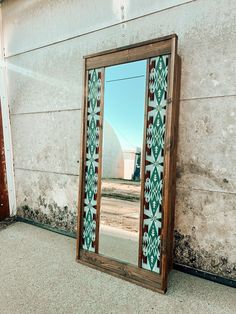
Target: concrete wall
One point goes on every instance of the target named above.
(44, 43)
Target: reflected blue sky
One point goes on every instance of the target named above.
(124, 98)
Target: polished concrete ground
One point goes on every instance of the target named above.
(38, 274)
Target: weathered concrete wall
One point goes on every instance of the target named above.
(45, 80)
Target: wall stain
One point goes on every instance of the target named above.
(195, 168)
(188, 252)
(50, 214)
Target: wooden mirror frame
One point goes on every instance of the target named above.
(146, 278)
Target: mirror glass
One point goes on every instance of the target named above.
(123, 122)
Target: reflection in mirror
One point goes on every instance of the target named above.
(124, 99)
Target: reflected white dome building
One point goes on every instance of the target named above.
(112, 155)
(116, 162)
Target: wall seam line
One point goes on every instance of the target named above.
(76, 175)
(42, 112)
(78, 109)
(207, 97)
(205, 190)
(46, 171)
(97, 30)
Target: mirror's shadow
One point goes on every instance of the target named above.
(124, 99)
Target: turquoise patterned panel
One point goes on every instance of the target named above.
(154, 162)
(92, 159)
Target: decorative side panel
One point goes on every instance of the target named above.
(92, 159)
(154, 162)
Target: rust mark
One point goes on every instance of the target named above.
(4, 201)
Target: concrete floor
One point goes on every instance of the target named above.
(38, 274)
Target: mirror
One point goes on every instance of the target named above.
(123, 122)
(128, 160)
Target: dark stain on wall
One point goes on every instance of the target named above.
(53, 215)
(196, 169)
(6, 222)
(187, 252)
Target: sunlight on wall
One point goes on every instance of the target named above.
(60, 84)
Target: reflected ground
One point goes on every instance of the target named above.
(119, 219)
(120, 204)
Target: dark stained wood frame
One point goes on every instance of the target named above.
(4, 201)
(135, 274)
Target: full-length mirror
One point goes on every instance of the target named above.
(127, 168)
(123, 121)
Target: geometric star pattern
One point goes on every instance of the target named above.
(92, 159)
(154, 162)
